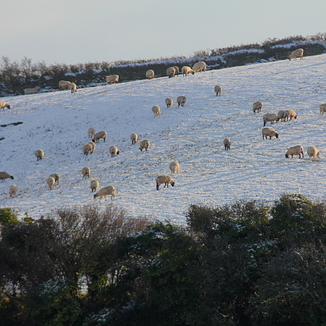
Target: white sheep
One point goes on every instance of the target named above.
(296, 54)
(144, 144)
(56, 177)
(289, 114)
(5, 175)
(166, 179)
(112, 79)
(150, 74)
(186, 70)
(88, 149)
(105, 191)
(295, 150)
(322, 108)
(181, 100)
(156, 110)
(13, 190)
(101, 134)
(168, 102)
(33, 90)
(64, 84)
(171, 72)
(113, 150)
(94, 185)
(86, 171)
(199, 66)
(257, 106)
(73, 87)
(4, 105)
(177, 70)
(91, 132)
(269, 117)
(174, 167)
(313, 152)
(218, 90)
(227, 143)
(133, 138)
(39, 153)
(269, 132)
(50, 182)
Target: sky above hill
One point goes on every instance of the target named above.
(104, 30)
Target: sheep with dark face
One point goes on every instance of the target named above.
(4, 105)
(102, 134)
(166, 179)
(144, 144)
(295, 150)
(5, 175)
(181, 100)
(269, 132)
(114, 151)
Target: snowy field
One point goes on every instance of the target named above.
(257, 169)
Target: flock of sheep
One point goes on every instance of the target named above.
(88, 148)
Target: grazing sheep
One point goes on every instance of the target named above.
(199, 66)
(281, 115)
(4, 105)
(91, 132)
(218, 90)
(86, 171)
(177, 70)
(50, 182)
(112, 79)
(227, 143)
(56, 177)
(88, 149)
(268, 131)
(101, 134)
(4, 175)
(94, 185)
(144, 144)
(93, 146)
(150, 74)
(181, 100)
(113, 150)
(64, 84)
(39, 154)
(257, 106)
(170, 72)
(166, 179)
(289, 114)
(13, 190)
(296, 54)
(133, 138)
(73, 87)
(105, 191)
(313, 152)
(322, 108)
(174, 167)
(295, 150)
(269, 117)
(33, 90)
(156, 110)
(186, 70)
(168, 102)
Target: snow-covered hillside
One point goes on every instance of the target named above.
(253, 169)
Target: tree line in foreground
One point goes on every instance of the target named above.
(247, 263)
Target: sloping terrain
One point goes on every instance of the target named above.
(253, 169)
